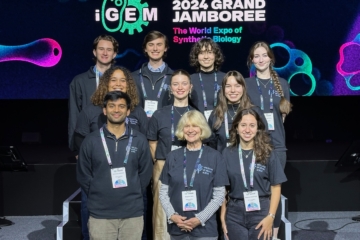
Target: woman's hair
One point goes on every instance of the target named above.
(285, 105)
(98, 97)
(222, 107)
(194, 118)
(185, 73)
(207, 43)
(262, 147)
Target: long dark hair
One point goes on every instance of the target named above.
(285, 105)
(262, 147)
(222, 107)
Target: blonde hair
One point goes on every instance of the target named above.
(194, 118)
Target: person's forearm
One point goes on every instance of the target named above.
(152, 145)
(275, 198)
(223, 211)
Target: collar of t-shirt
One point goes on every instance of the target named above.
(210, 72)
(159, 69)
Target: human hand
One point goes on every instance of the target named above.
(224, 228)
(179, 221)
(266, 227)
(192, 222)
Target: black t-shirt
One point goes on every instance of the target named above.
(277, 135)
(210, 86)
(160, 129)
(211, 173)
(219, 140)
(265, 176)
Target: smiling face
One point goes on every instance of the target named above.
(206, 59)
(116, 111)
(233, 90)
(192, 133)
(155, 49)
(261, 59)
(104, 52)
(247, 128)
(117, 81)
(180, 86)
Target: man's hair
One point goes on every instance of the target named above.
(107, 38)
(207, 43)
(151, 36)
(114, 96)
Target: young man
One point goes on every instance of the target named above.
(114, 169)
(153, 78)
(105, 48)
(207, 58)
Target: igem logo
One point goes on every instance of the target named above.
(121, 15)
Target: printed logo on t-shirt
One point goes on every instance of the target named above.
(206, 170)
(260, 167)
(274, 92)
(132, 121)
(166, 87)
(133, 149)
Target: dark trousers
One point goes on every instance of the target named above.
(84, 216)
(241, 224)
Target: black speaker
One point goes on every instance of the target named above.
(11, 159)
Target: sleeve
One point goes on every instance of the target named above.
(83, 166)
(74, 110)
(221, 177)
(143, 121)
(78, 139)
(152, 131)
(212, 141)
(214, 204)
(83, 123)
(145, 165)
(276, 172)
(165, 201)
(164, 177)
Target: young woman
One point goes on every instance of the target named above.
(255, 177)
(92, 118)
(193, 183)
(232, 98)
(162, 140)
(271, 93)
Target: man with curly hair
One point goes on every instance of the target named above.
(206, 56)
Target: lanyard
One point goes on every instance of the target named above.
(203, 91)
(261, 96)
(194, 172)
(143, 86)
(252, 168)
(172, 123)
(128, 147)
(98, 75)
(226, 126)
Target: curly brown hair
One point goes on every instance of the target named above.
(207, 43)
(262, 147)
(98, 97)
(285, 105)
(222, 107)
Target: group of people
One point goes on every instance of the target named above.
(210, 146)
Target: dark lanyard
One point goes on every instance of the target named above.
(261, 95)
(203, 91)
(172, 123)
(143, 86)
(128, 147)
(194, 172)
(252, 168)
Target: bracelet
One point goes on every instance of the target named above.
(271, 215)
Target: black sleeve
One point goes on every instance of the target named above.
(143, 121)
(78, 139)
(152, 131)
(74, 110)
(145, 166)
(83, 166)
(212, 139)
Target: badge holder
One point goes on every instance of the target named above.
(118, 177)
(150, 107)
(189, 200)
(251, 200)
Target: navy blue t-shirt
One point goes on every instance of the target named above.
(210, 173)
(265, 176)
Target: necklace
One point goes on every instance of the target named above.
(232, 117)
(263, 83)
(179, 112)
(246, 155)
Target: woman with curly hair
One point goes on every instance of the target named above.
(206, 56)
(232, 98)
(255, 177)
(92, 117)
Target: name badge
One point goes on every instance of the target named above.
(207, 114)
(150, 107)
(189, 200)
(174, 147)
(118, 177)
(252, 202)
(270, 120)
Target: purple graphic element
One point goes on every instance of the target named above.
(44, 52)
(257, 28)
(348, 87)
(290, 44)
